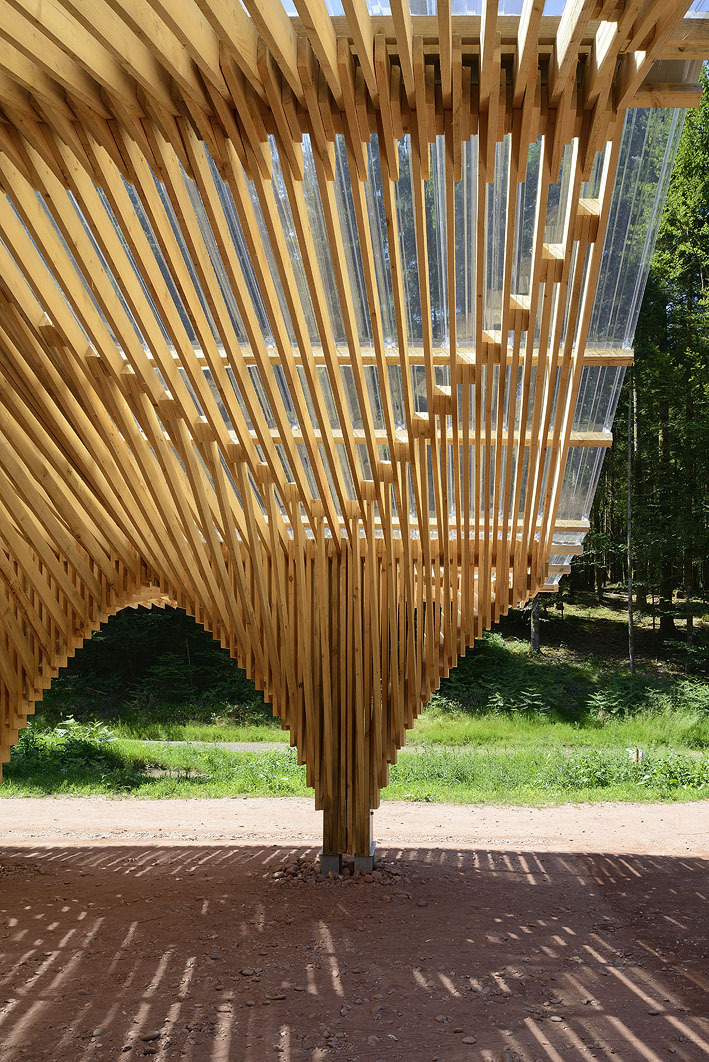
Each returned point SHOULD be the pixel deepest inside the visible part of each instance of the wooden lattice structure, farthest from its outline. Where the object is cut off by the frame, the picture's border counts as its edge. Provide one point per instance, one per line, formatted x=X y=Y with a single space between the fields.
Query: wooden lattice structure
x=312 y=324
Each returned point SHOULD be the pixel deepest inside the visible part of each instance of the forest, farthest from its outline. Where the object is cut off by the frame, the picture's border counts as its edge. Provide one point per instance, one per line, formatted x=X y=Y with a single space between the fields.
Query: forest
x=661 y=431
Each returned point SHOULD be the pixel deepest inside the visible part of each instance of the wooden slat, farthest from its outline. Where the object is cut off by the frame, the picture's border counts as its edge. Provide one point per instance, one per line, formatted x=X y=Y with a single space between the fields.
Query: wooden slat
x=527 y=44
x=319 y=30
x=403 y=26
x=362 y=34
x=236 y=32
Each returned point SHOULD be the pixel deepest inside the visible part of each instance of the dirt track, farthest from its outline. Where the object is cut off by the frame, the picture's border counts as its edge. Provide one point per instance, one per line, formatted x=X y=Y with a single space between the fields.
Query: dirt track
x=499 y=933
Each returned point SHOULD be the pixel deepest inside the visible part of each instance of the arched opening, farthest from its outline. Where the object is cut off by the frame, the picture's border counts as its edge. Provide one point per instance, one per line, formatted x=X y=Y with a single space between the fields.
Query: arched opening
x=158 y=672
x=151 y=701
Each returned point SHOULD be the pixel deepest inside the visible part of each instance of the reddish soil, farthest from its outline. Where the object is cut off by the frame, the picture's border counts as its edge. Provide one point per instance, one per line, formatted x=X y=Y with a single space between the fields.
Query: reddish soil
x=133 y=928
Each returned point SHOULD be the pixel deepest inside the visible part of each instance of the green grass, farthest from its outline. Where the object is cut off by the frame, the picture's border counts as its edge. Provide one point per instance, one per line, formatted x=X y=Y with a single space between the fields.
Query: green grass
x=51 y=765
x=263 y=731
x=443 y=725
x=501 y=695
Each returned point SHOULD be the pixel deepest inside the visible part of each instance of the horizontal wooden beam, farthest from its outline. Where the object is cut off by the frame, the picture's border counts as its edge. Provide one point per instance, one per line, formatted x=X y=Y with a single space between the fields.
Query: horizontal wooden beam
x=602 y=439
x=441 y=356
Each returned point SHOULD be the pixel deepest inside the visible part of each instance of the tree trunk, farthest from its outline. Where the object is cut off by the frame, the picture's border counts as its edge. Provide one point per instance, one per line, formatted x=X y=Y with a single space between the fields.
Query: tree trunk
x=597 y=569
x=608 y=569
x=689 y=494
x=667 y=619
x=690 y=617
x=534 y=631
x=667 y=518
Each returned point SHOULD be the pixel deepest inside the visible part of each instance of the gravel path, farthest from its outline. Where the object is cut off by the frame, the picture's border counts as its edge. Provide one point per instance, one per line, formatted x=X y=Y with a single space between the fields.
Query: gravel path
x=274 y=746
x=671 y=829
x=227 y=746
x=136 y=927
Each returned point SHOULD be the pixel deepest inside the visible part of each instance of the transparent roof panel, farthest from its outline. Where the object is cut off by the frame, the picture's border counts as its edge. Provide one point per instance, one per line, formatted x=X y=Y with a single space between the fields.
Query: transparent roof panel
x=648 y=149
x=463 y=7
x=282 y=348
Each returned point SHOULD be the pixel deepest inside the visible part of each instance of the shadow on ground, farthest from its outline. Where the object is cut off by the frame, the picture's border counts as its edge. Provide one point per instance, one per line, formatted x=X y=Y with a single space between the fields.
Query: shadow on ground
x=204 y=953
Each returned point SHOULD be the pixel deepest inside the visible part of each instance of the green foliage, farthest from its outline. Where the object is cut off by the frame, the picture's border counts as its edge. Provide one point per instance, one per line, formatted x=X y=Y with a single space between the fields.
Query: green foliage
x=70 y=747
x=48 y=764
x=606 y=703
x=670 y=446
x=530 y=700
x=506 y=725
x=600 y=769
x=152 y=667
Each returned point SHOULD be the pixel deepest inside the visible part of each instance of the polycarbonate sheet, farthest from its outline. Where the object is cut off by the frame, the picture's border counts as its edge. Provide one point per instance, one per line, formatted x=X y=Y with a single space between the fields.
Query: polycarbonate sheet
x=557 y=210
x=458 y=7
x=350 y=238
x=295 y=256
x=527 y=193
x=577 y=262
x=466 y=240
x=583 y=467
x=84 y=283
x=407 y=244
x=568 y=538
x=504 y=7
x=117 y=287
x=495 y=234
x=649 y=143
x=334 y=7
x=591 y=189
x=318 y=232
x=380 y=244
x=647 y=152
x=437 y=242
x=241 y=248
x=160 y=259
x=598 y=397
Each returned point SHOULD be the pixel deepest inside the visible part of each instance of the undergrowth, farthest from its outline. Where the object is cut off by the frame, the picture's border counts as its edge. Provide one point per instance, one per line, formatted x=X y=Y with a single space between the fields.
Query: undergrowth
x=45 y=763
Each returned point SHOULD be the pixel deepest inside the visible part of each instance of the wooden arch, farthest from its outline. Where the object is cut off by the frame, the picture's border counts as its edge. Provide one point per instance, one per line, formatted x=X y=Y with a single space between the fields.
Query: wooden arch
x=279 y=344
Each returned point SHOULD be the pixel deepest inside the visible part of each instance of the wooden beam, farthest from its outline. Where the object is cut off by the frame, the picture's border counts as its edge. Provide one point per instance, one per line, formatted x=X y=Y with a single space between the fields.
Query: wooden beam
x=362 y=34
x=403 y=27
x=274 y=26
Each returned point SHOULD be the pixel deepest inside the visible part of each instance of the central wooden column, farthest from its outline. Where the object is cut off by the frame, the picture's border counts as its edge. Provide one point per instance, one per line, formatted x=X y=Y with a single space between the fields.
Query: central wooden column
x=357 y=676
x=351 y=749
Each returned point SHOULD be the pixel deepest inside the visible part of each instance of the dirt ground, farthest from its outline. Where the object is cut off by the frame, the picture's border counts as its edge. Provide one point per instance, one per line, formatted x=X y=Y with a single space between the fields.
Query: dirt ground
x=199 y=930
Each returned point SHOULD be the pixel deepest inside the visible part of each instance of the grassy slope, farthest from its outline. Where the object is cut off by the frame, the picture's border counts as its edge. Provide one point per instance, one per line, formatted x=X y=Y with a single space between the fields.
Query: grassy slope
x=526 y=729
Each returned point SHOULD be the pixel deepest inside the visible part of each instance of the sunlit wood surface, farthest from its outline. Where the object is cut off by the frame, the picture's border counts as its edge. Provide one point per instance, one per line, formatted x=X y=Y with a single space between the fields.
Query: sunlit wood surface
x=201 y=402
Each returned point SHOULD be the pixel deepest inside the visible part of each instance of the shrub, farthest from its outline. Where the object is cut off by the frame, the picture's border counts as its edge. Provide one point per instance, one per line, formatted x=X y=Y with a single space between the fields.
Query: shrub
x=69 y=746
x=530 y=701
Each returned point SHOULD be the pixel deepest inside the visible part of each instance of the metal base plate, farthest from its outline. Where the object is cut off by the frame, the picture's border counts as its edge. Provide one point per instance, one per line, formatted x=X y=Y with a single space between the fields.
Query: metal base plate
x=365 y=864
x=330 y=863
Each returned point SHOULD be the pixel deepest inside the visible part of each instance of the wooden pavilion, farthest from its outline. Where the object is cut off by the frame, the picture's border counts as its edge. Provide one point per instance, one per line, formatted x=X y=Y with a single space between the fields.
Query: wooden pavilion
x=313 y=318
